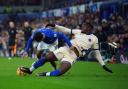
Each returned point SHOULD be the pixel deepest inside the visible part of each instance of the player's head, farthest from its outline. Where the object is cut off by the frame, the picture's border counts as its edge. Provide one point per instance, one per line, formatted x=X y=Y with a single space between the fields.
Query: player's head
x=86 y=27
x=38 y=37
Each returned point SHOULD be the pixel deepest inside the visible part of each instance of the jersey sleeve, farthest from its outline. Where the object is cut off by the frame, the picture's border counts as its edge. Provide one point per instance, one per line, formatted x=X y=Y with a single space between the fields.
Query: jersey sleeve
x=95 y=44
x=62 y=36
x=29 y=42
x=67 y=30
x=97 y=52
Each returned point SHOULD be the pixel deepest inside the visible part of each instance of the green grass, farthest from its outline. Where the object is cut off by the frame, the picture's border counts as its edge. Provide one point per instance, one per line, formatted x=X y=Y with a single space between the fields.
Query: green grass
x=83 y=75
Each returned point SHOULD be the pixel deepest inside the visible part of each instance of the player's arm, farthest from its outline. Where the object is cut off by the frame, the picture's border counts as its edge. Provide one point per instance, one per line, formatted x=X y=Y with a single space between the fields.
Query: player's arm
x=30 y=40
x=62 y=36
x=25 y=52
x=99 y=57
x=64 y=29
x=29 y=43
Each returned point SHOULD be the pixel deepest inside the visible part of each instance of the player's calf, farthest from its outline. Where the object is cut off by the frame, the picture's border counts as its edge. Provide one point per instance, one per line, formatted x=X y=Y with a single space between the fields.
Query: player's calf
x=64 y=67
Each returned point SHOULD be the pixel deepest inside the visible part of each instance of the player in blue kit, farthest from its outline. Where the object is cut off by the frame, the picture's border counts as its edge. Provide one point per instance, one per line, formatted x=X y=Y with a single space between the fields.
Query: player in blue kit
x=49 y=39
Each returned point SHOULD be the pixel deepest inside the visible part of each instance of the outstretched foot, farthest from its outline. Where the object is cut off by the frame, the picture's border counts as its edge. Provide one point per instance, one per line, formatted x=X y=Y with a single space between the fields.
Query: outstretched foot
x=25 y=70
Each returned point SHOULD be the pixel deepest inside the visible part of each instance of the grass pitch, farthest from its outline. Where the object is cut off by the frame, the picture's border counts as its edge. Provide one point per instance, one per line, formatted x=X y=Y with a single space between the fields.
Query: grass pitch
x=83 y=75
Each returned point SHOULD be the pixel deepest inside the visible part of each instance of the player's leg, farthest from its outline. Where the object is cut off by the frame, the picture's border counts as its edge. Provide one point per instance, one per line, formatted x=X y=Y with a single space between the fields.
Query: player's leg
x=39 y=54
x=42 y=59
x=47 y=48
x=35 y=65
x=52 y=62
x=64 y=67
x=64 y=54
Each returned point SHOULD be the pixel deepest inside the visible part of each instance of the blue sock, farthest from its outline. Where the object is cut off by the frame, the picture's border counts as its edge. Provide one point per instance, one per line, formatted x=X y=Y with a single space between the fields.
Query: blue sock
x=54 y=73
x=38 y=63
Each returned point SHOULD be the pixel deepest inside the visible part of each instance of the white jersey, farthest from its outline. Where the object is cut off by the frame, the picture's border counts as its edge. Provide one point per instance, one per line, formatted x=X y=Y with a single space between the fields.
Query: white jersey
x=83 y=41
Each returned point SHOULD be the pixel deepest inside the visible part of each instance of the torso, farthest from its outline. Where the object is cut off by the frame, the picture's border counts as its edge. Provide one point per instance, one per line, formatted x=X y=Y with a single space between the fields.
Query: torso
x=83 y=42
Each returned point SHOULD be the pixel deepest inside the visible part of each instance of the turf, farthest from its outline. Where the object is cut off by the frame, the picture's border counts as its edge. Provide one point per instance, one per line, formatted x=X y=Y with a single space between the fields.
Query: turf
x=83 y=75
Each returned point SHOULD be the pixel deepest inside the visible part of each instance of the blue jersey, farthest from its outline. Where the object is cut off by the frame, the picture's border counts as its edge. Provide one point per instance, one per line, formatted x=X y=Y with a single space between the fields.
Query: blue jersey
x=50 y=37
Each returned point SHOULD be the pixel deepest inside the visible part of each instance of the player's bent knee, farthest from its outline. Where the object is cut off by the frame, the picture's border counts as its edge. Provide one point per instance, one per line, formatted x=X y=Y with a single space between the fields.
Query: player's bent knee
x=50 y=56
x=64 y=67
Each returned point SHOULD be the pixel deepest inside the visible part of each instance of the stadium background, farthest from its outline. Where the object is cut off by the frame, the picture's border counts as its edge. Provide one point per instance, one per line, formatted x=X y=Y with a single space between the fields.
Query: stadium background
x=109 y=18
x=110 y=21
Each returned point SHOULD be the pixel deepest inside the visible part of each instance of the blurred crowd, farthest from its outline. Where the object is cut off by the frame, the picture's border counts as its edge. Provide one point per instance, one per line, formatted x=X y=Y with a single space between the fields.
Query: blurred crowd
x=20 y=2
x=14 y=34
x=49 y=5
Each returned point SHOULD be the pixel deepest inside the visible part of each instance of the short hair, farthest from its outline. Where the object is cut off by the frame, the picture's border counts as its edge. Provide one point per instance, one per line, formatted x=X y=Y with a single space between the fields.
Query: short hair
x=38 y=36
x=88 y=23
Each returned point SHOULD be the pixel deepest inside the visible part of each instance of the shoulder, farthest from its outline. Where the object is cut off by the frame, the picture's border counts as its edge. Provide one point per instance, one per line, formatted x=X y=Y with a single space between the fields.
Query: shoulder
x=42 y=30
x=76 y=31
x=95 y=37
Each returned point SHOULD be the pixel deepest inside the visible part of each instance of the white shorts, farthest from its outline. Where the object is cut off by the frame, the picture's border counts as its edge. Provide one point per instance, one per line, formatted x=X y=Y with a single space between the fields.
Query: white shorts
x=51 y=47
x=35 y=44
x=65 y=54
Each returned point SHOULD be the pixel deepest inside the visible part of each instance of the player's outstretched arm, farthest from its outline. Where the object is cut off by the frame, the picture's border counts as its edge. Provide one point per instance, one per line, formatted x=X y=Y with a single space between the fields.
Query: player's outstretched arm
x=98 y=55
x=64 y=29
x=107 y=69
x=29 y=43
x=25 y=52
x=60 y=28
x=99 y=58
x=63 y=37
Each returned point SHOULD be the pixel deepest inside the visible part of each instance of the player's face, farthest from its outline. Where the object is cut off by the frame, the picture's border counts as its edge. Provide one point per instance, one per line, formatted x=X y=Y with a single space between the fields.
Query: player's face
x=84 y=27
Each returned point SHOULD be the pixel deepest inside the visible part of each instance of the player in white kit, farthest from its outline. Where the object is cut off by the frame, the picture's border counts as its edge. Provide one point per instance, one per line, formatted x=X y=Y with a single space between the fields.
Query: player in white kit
x=83 y=40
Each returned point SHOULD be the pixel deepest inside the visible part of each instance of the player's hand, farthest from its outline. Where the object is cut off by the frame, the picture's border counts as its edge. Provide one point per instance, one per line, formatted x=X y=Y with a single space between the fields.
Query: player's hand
x=107 y=69
x=50 y=24
x=24 y=54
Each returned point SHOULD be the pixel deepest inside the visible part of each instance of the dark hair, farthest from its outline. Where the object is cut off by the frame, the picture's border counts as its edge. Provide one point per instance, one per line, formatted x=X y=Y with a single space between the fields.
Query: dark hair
x=38 y=36
x=89 y=24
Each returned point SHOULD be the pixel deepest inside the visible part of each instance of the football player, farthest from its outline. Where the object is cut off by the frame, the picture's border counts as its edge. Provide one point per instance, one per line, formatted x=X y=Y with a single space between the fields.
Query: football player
x=83 y=40
x=49 y=42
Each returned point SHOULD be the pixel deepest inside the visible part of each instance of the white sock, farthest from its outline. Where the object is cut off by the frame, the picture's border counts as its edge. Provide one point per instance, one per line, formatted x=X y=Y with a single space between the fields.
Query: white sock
x=48 y=74
x=31 y=68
